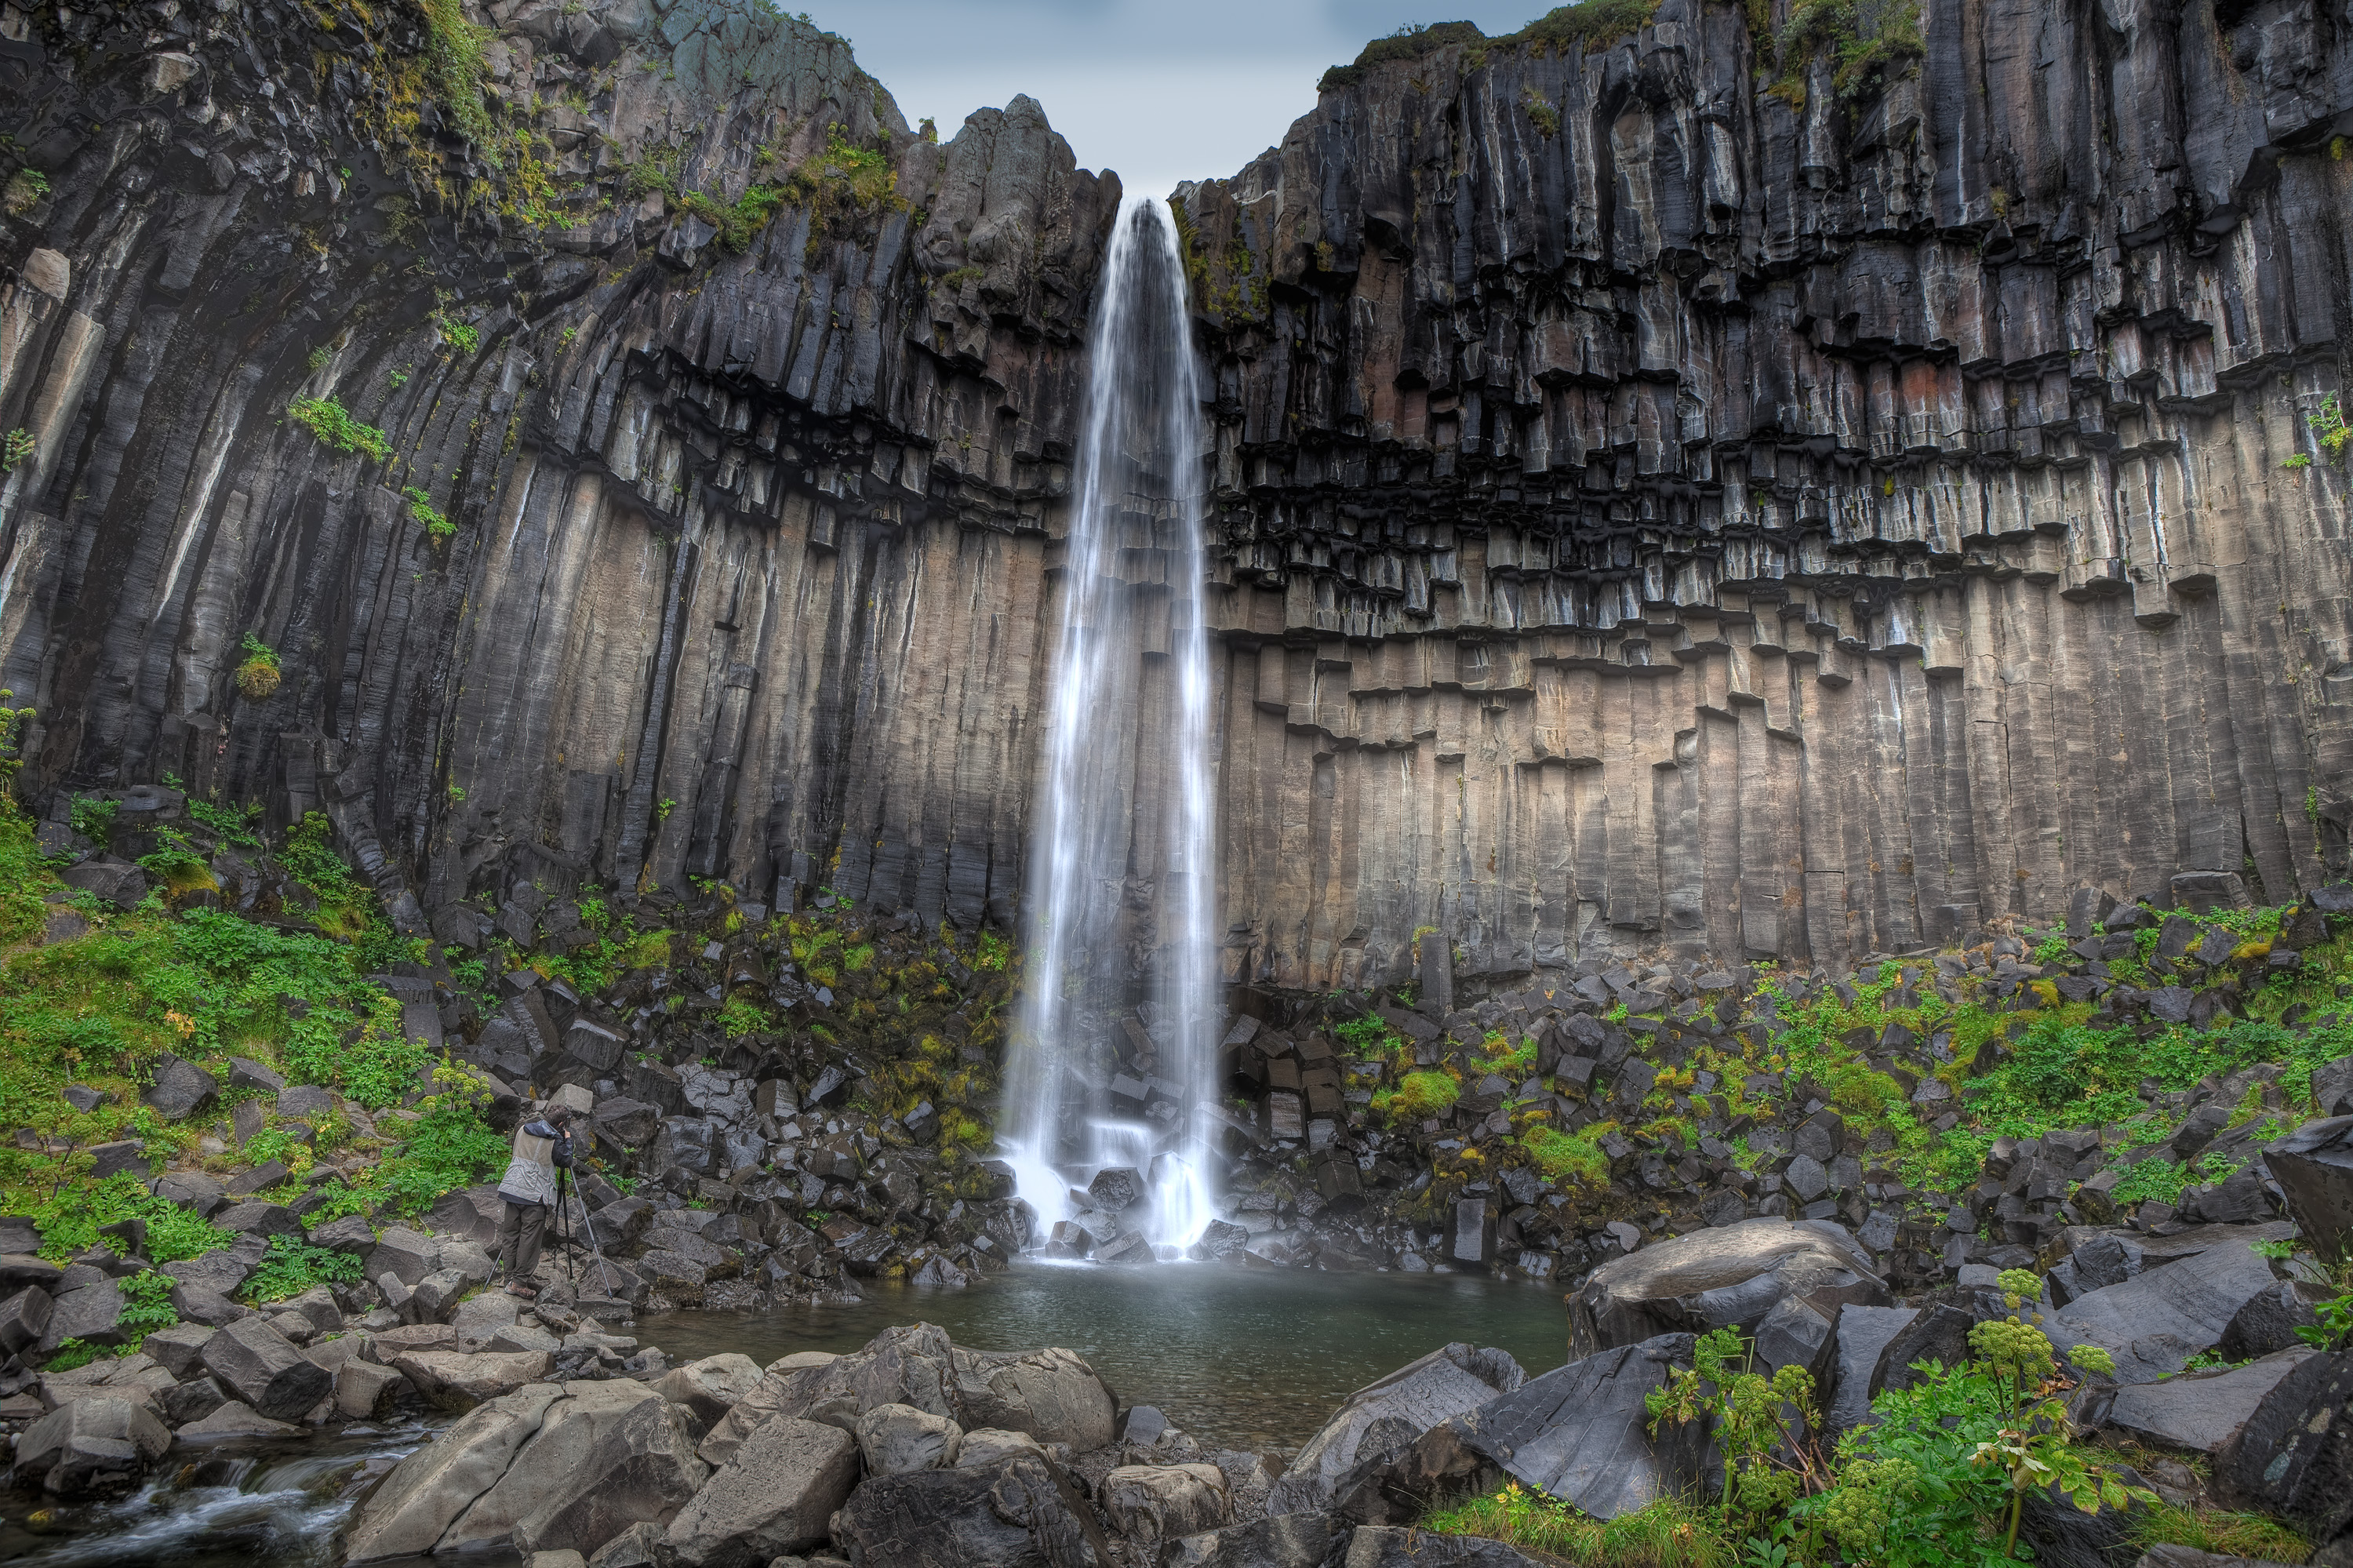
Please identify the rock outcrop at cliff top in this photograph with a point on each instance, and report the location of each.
(1660, 498)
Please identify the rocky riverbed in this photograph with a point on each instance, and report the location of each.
(569, 1446)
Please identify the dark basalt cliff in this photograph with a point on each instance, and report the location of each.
(1659, 500)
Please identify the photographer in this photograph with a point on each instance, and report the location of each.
(541, 1148)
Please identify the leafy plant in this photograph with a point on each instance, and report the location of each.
(1944, 1469)
(420, 506)
(742, 1016)
(72, 1355)
(93, 817)
(459, 335)
(147, 1304)
(2327, 423)
(1748, 1417)
(259, 675)
(15, 448)
(290, 1267)
(228, 825)
(334, 425)
(175, 862)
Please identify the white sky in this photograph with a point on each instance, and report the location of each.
(1161, 91)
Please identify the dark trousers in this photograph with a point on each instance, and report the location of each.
(518, 1237)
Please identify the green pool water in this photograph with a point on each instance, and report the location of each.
(1238, 1358)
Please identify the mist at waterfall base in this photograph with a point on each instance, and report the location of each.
(1123, 882)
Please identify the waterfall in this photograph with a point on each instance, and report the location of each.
(1121, 917)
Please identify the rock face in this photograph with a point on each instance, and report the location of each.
(1718, 507)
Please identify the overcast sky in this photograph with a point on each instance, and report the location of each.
(1161, 91)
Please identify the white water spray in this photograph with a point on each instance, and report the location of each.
(1124, 870)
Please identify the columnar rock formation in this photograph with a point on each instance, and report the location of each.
(1660, 500)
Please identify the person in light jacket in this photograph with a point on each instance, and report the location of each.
(541, 1148)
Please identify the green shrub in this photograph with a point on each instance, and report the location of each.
(146, 1304)
(333, 423)
(290, 1267)
(420, 506)
(93, 817)
(71, 1217)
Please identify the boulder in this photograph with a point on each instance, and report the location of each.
(434, 1298)
(1389, 1546)
(1052, 1395)
(234, 1420)
(1019, 1512)
(776, 1497)
(1729, 1277)
(2293, 1457)
(1160, 1502)
(711, 1387)
(627, 1122)
(909, 1366)
(428, 1491)
(92, 1446)
(254, 1217)
(194, 1304)
(221, 1271)
(20, 1269)
(476, 1318)
(2201, 1411)
(110, 880)
(2314, 1168)
(1390, 1415)
(91, 1313)
(2271, 1320)
(639, 1546)
(1286, 1540)
(349, 1234)
(1579, 1433)
(2153, 1322)
(180, 1088)
(23, 1317)
(179, 1348)
(894, 1439)
(1863, 1332)
(451, 1380)
(1938, 1332)
(403, 1254)
(471, 1213)
(262, 1368)
(184, 1403)
(364, 1391)
(608, 1456)
(986, 1444)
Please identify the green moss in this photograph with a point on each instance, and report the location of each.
(1426, 1095)
(1569, 1157)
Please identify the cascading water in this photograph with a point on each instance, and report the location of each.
(1122, 902)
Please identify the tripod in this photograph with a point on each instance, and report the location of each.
(567, 1194)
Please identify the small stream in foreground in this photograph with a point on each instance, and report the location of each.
(1238, 1358)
